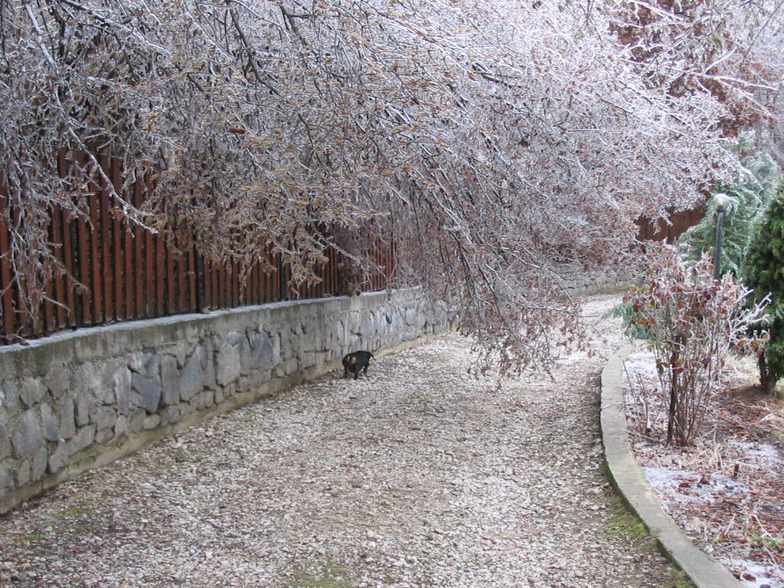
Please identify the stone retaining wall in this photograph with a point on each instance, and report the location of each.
(83, 399)
(581, 282)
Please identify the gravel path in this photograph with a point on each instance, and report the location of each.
(417, 476)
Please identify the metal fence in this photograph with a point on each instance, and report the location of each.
(128, 273)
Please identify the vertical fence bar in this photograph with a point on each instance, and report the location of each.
(137, 277)
(270, 278)
(252, 285)
(71, 300)
(150, 273)
(210, 275)
(218, 284)
(96, 278)
(107, 226)
(58, 278)
(22, 316)
(172, 279)
(181, 283)
(6, 290)
(228, 284)
(49, 312)
(225, 284)
(84, 298)
(231, 284)
(133, 260)
(120, 250)
(48, 319)
(161, 279)
(194, 282)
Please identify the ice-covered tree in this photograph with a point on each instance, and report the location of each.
(492, 140)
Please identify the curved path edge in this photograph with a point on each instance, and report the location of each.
(629, 480)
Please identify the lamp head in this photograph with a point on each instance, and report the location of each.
(721, 201)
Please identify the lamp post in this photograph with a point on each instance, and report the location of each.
(721, 201)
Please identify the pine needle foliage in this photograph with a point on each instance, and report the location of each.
(764, 272)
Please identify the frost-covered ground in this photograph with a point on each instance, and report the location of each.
(417, 476)
(727, 491)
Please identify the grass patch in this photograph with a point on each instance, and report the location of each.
(82, 508)
(323, 575)
(626, 525)
(30, 539)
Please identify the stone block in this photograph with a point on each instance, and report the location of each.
(188, 408)
(177, 349)
(86, 378)
(207, 356)
(121, 426)
(23, 473)
(83, 439)
(51, 423)
(28, 437)
(104, 417)
(5, 442)
(104, 435)
(170, 381)
(122, 389)
(105, 392)
(256, 380)
(261, 351)
(58, 459)
(148, 392)
(190, 379)
(136, 362)
(205, 399)
(83, 406)
(58, 380)
(171, 414)
(136, 422)
(307, 359)
(145, 364)
(277, 347)
(288, 345)
(287, 367)
(151, 421)
(6, 477)
(39, 463)
(333, 338)
(244, 349)
(32, 391)
(227, 363)
(9, 397)
(67, 418)
(312, 337)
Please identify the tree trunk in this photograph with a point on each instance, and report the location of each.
(673, 413)
(768, 378)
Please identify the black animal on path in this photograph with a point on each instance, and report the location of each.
(356, 361)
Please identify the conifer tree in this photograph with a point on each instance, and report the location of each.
(764, 272)
(749, 195)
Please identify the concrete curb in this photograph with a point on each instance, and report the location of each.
(629, 480)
